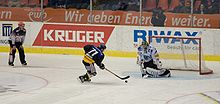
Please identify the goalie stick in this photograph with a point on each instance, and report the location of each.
(122, 78)
(142, 69)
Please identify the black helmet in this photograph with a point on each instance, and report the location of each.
(102, 46)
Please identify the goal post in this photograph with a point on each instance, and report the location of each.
(181, 53)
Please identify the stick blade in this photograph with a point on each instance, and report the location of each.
(125, 77)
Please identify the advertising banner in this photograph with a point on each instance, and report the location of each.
(122, 40)
(72, 35)
(107, 17)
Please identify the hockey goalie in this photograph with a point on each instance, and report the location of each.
(150, 65)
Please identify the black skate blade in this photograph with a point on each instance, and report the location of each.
(80, 80)
(83, 81)
(22, 66)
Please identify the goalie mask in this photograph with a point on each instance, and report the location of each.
(145, 44)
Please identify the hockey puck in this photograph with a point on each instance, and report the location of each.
(126, 81)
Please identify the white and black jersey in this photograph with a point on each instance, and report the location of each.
(148, 54)
(17, 35)
(16, 39)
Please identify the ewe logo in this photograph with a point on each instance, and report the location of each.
(72, 35)
(142, 34)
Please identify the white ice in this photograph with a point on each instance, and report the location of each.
(52, 79)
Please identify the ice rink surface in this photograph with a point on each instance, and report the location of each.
(52, 79)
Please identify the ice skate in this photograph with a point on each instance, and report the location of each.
(166, 73)
(10, 64)
(81, 79)
(143, 75)
(87, 78)
(24, 64)
(84, 78)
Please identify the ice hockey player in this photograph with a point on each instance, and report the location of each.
(16, 40)
(150, 65)
(92, 55)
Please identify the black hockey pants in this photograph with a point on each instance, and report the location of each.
(20, 48)
(150, 64)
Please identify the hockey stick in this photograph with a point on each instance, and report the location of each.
(122, 78)
(141, 68)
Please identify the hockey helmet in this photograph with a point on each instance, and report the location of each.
(21, 23)
(102, 46)
(145, 43)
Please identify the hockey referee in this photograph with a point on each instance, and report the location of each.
(16, 40)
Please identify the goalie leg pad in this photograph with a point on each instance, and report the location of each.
(153, 73)
(166, 73)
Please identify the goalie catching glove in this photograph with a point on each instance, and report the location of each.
(102, 66)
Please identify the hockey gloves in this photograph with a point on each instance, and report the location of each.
(102, 66)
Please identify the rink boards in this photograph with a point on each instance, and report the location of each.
(121, 41)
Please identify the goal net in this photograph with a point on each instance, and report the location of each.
(180, 53)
